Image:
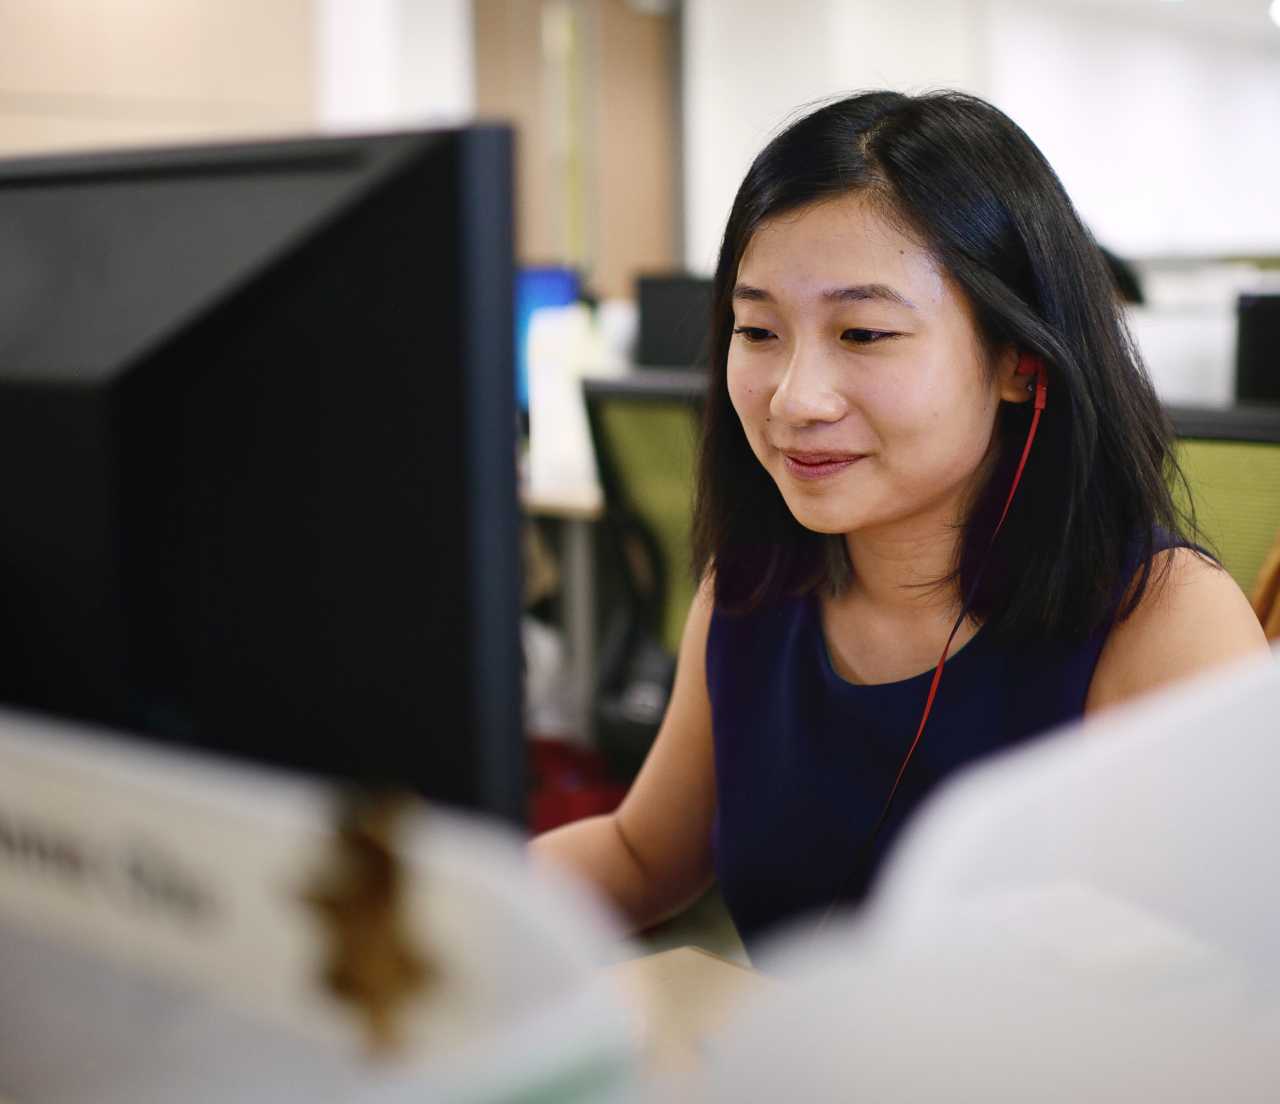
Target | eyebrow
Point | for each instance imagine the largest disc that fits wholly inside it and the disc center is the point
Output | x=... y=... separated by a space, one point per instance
x=855 y=294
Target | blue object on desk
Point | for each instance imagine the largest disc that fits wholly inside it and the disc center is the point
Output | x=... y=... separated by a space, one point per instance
x=537 y=287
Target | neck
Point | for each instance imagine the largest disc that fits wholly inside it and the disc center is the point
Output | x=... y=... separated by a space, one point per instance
x=897 y=567
x=896 y=571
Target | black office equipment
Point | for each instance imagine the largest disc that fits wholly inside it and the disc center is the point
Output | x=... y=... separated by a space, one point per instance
x=257 y=453
x=675 y=318
x=1258 y=348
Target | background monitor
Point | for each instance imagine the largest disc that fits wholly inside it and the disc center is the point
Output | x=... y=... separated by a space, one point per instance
x=257 y=453
x=675 y=321
x=1258 y=348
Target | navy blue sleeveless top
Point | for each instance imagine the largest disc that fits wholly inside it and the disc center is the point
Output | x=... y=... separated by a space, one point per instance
x=805 y=760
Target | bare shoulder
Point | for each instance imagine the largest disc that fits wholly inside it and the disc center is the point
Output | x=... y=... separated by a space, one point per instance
x=1192 y=617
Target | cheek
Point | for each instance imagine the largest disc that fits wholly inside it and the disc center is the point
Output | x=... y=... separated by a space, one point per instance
x=750 y=400
x=938 y=404
x=901 y=408
x=929 y=430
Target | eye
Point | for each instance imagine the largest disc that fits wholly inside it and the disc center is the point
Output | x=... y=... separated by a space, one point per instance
x=865 y=337
x=752 y=335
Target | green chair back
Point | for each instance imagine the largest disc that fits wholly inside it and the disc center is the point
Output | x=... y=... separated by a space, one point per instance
x=652 y=445
x=1235 y=486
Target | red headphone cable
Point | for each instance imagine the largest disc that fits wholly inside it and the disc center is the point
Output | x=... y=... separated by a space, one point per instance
x=1026 y=365
x=1040 y=399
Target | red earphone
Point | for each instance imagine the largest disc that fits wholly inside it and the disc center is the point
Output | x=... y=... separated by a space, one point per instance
x=1028 y=364
x=1031 y=365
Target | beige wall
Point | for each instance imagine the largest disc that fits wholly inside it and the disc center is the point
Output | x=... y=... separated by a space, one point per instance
x=509 y=86
x=596 y=111
x=637 y=143
x=596 y=130
x=93 y=73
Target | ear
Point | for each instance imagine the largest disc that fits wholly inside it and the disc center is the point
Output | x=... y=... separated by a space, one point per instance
x=1015 y=386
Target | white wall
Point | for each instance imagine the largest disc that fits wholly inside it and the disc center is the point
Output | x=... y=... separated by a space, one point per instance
x=748 y=64
x=386 y=63
x=1165 y=131
x=1162 y=119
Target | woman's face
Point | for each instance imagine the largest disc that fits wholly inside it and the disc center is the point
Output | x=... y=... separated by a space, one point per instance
x=858 y=373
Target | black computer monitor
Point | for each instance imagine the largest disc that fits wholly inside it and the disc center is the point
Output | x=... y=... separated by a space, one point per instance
x=1258 y=348
x=675 y=321
x=257 y=453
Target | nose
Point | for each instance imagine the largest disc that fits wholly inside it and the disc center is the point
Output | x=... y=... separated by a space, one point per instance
x=808 y=392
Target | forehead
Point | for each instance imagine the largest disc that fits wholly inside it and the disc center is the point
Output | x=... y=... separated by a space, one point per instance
x=838 y=243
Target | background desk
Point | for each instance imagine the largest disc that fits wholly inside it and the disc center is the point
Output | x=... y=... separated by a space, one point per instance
x=577 y=509
x=684 y=996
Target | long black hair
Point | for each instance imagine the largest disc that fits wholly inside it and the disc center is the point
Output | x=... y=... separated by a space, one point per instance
x=972 y=185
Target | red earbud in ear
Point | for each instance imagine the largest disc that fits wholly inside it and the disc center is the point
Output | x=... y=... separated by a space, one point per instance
x=1031 y=365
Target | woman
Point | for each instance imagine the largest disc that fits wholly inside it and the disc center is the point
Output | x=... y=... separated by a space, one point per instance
x=902 y=282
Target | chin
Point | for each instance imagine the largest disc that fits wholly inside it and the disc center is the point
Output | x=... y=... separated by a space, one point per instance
x=817 y=519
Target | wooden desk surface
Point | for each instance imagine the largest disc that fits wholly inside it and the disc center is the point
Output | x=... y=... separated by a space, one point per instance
x=684 y=996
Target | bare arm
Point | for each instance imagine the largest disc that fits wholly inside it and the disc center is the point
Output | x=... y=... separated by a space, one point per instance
x=1191 y=620
x=653 y=855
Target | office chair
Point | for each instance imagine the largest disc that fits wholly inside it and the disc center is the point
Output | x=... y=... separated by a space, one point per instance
x=644 y=432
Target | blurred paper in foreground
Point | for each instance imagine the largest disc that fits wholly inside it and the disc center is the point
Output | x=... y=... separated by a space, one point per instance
x=1094 y=917
x=156 y=944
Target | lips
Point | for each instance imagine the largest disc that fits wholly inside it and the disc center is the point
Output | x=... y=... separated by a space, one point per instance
x=819 y=465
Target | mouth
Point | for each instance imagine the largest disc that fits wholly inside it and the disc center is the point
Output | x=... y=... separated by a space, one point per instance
x=819 y=465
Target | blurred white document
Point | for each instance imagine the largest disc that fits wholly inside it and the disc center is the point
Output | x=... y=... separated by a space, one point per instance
x=562 y=464
x=1093 y=917
x=156 y=944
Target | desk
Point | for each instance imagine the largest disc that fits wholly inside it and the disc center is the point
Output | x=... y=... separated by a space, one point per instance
x=1254 y=422
x=577 y=508
x=684 y=996
x=658 y=384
